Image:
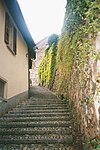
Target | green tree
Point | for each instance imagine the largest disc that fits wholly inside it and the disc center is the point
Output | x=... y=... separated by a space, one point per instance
x=53 y=39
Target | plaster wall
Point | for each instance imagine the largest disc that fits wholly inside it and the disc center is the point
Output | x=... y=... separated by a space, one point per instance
x=13 y=68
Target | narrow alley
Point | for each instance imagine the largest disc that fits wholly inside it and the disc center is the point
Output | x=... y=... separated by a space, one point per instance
x=49 y=79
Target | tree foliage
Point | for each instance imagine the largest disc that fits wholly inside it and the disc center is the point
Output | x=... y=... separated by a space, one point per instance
x=53 y=39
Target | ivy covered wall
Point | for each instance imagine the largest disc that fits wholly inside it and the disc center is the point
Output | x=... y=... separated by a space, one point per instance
x=77 y=67
x=47 y=67
x=78 y=64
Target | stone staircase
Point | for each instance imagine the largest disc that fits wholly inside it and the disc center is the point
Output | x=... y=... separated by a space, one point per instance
x=43 y=122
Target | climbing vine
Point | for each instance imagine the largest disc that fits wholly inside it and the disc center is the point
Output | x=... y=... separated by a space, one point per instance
x=75 y=57
x=75 y=47
x=74 y=16
x=47 y=67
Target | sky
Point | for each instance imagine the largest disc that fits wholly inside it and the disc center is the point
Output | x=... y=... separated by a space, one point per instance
x=43 y=17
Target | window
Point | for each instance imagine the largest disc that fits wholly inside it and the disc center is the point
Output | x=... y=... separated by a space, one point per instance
x=10 y=34
x=2 y=85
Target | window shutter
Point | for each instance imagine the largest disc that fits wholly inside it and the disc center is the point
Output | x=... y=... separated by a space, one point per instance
x=7 y=21
x=14 y=40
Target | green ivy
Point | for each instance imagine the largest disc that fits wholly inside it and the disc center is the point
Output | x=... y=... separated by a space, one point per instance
x=76 y=51
x=75 y=47
x=47 y=66
x=74 y=16
x=93 y=144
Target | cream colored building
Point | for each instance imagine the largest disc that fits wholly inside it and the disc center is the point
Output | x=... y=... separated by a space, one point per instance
x=41 y=46
x=16 y=46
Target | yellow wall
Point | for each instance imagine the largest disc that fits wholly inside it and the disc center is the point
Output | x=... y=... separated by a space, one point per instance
x=13 y=68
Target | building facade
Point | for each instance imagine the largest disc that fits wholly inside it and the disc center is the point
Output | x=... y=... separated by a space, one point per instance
x=15 y=45
x=41 y=46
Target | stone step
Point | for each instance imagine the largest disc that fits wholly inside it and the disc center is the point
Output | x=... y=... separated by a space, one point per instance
x=44 y=96
x=29 y=119
x=57 y=146
x=43 y=102
x=47 y=99
x=36 y=139
x=37 y=115
x=35 y=124
x=42 y=105
x=35 y=136
x=32 y=131
x=40 y=108
x=37 y=111
x=38 y=129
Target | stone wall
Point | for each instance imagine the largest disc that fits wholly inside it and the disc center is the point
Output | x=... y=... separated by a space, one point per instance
x=84 y=96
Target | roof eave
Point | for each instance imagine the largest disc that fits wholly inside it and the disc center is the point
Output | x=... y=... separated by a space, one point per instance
x=18 y=18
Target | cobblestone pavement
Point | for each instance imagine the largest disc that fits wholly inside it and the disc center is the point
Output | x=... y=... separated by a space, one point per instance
x=43 y=122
